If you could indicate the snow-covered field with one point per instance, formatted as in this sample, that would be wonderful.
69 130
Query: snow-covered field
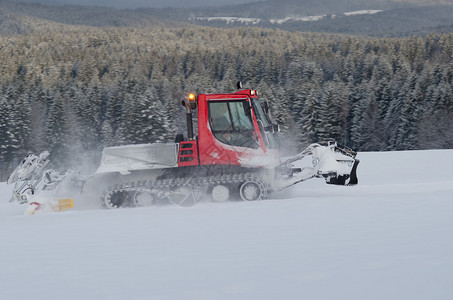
254 21
390 237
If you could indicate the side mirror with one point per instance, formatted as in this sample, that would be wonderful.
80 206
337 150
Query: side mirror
239 85
276 128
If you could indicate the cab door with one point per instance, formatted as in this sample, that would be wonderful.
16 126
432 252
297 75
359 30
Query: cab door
232 124
229 133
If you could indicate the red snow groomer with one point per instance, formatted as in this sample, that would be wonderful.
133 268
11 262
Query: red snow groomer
234 154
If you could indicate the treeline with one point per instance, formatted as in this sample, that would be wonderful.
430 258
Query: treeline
76 90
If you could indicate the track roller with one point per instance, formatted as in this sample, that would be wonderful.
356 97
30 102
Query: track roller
220 193
252 190
116 199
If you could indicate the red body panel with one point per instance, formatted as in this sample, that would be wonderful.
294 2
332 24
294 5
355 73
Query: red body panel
188 154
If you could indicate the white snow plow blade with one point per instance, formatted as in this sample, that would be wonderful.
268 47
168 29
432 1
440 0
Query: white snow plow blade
337 165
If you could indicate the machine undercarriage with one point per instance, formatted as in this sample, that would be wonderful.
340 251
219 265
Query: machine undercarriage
183 186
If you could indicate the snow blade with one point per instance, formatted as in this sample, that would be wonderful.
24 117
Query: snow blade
337 165
353 180
348 179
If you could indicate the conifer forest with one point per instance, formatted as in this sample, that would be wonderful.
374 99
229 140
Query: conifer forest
73 90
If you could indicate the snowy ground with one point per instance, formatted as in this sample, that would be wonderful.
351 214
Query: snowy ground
390 237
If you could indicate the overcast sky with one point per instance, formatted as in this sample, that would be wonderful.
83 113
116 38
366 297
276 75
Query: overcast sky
144 3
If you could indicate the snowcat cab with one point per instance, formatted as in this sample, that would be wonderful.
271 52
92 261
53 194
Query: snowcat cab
233 130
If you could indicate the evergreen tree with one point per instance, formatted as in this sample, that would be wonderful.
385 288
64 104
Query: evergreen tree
57 131
334 112
90 113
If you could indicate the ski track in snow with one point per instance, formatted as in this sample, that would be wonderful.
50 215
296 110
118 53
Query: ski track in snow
390 237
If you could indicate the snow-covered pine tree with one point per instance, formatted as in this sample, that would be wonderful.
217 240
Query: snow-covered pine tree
57 131
90 113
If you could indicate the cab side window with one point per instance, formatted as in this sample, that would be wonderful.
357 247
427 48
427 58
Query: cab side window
240 120
220 116
230 123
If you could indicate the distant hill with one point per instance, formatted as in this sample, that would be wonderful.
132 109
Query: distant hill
393 23
77 15
276 9
362 17
13 23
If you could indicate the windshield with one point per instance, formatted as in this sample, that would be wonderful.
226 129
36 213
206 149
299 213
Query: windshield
264 122
260 114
